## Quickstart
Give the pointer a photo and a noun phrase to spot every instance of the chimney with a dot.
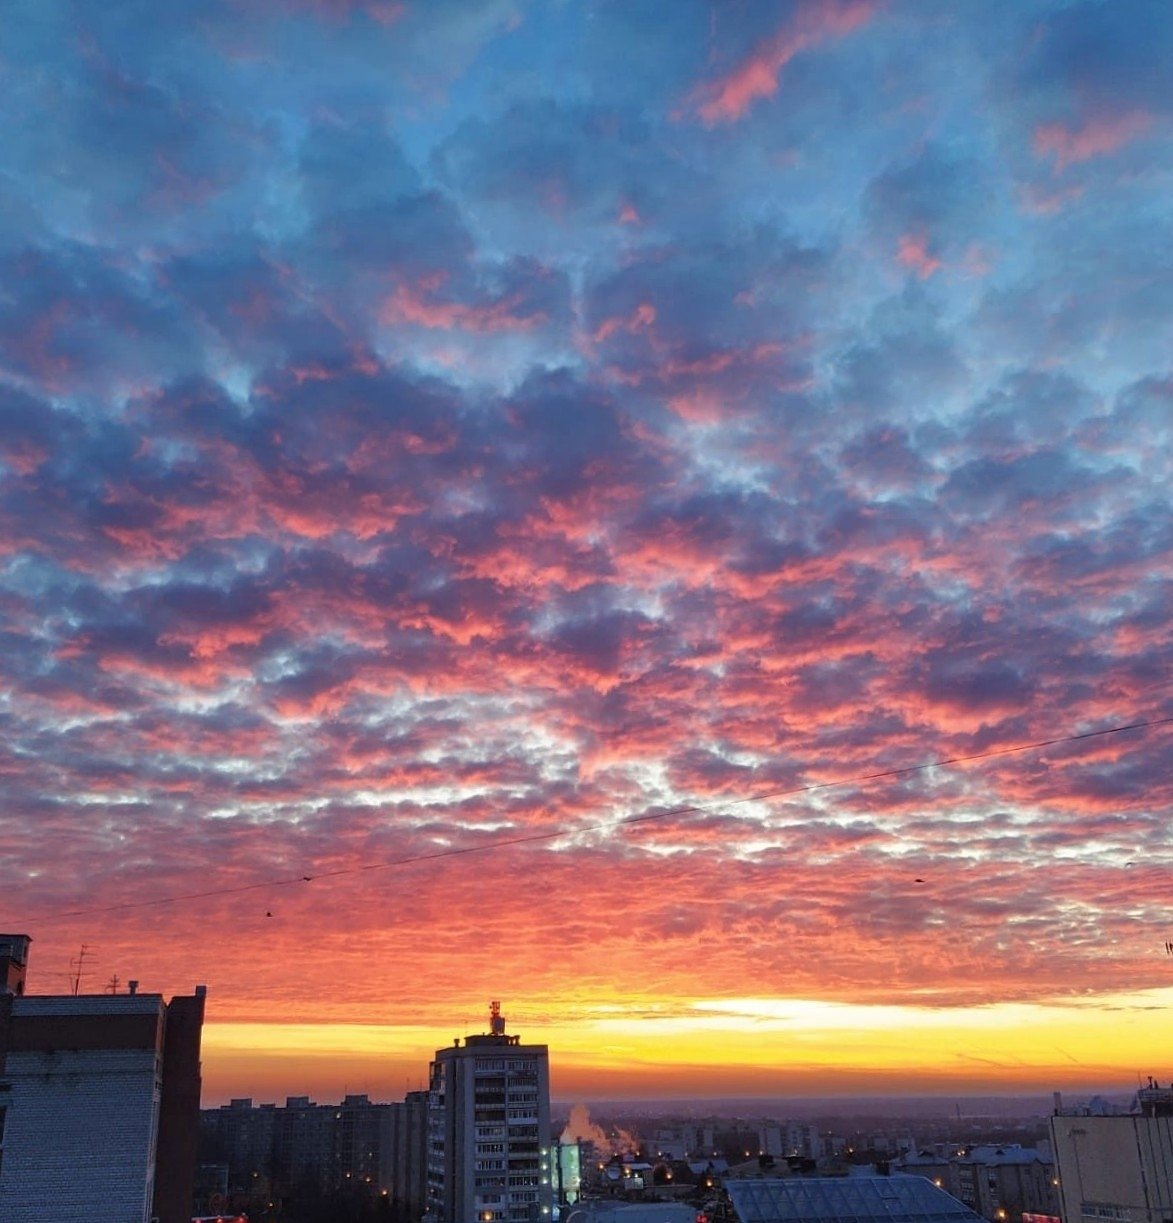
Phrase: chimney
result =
(14, 959)
(133, 987)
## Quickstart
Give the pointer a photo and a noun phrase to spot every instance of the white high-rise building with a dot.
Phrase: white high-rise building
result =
(489, 1130)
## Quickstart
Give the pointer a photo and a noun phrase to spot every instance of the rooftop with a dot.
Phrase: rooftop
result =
(74, 1005)
(858, 1199)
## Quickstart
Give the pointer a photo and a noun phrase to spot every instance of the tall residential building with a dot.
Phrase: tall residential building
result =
(1116, 1167)
(99, 1101)
(489, 1130)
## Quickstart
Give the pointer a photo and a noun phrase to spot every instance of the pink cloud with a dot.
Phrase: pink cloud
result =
(1097, 137)
(727, 98)
(913, 251)
(642, 317)
(720, 360)
(699, 407)
(1048, 203)
(413, 305)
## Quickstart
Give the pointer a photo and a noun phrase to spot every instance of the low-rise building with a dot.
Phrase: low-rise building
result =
(1005, 1182)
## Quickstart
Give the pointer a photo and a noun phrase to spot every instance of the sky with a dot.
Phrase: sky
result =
(435, 437)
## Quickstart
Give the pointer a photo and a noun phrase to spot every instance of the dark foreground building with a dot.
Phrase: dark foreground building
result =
(99, 1101)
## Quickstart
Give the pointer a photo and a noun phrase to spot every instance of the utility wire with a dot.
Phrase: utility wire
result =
(534, 838)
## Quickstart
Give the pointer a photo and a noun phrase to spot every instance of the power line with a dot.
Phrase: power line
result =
(534, 838)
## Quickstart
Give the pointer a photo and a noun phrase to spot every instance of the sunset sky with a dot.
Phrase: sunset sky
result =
(429, 425)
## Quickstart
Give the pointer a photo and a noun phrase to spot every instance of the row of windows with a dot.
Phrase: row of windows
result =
(1100, 1210)
(515, 1199)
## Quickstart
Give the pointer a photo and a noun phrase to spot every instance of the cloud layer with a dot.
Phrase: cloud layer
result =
(429, 425)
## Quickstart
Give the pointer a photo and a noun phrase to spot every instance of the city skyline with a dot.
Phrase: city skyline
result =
(510, 499)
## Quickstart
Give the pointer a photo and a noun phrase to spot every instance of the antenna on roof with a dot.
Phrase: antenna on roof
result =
(75, 967)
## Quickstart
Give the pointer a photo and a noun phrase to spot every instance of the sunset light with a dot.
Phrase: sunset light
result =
(659, 514)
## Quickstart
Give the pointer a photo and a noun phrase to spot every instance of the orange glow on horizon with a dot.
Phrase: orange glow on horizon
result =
(729, 1047)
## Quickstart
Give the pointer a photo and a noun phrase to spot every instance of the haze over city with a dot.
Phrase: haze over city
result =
(656, 514)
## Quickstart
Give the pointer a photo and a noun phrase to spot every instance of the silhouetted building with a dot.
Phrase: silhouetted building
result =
(14, 959)
(304, 1152)
(99, 1102)
(1116, 1167)
(790, 1138)
(489, 1130)
(409, 1153)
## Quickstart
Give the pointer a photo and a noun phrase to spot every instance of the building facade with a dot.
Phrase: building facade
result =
(1005, 1182)
(489, 1130)
(99, 1102)
(1117, 1167)
(409, 1153)
(304, 1152)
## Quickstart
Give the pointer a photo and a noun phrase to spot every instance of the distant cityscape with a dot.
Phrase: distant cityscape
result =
(100, 1119)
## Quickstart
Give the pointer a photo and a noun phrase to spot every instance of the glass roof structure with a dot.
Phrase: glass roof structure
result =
(850, 1199)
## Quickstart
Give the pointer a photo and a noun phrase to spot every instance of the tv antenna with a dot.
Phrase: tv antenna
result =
(75, 968)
